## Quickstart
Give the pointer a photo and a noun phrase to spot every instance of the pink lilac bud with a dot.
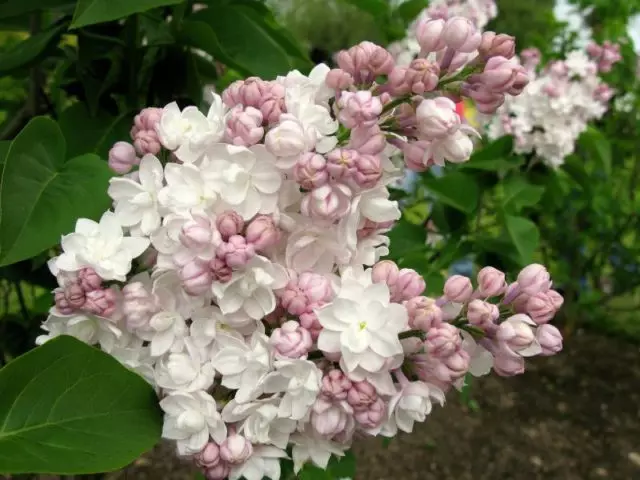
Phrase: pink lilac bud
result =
(102, 303)
(422, 76)
(287, 139)
(370, 228)
(359, 109)
(461, 34)
(144, 133)
(540, 307)
(500, 74)
(511, 293)
(310, 321)
(138, 305)
(534, 278)
(208, 457)
(220, 271)
(336, 385)
(530, 58)
(385, 271)
(235, 449)
(497, 45)
(229, 223)
(306, 292)
(483, 315)
(550, 339)
(411, 346)
(262, 233)
(516, 333)
(373, 415)
(556, 299)
(361, 395)
(409, 284)
(367, 141)
(244, 126)
(458, 289)
(486, 102)
(291, 340)
(75, 295)
(328, 419)
(507, 364)
(381, 61)
(62, 304)
(196, 277)
(491, 282)
(328, 202)
(429, 33)
(424, 314)
(365, 61)
(416, 155)
(437, 118)
(219, 472)
(266, 96)
(122, 157)
(311, 170)
(89, 279)
(236, 252)
(451, 368)
(367, 171)
(397, 84)
(197, 234)
(338, 79)
(603, 93)
(443, 341)
(341, 163)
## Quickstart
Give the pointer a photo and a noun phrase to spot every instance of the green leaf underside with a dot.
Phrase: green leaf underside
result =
(42, 194)
(27, 52)
(456, 189)
(68, 408)
(89, 12)
(525, 236)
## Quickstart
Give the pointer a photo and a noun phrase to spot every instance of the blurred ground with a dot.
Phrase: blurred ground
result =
(571, 417)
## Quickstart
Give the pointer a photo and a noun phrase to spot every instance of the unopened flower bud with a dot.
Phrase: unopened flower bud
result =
(458, 289)
(507, 364)
(443, 340)
(422, 76)
(236, 252)
(373, 415)
(461, 34)
(367, 140)
(437, 118)
(497, 45)
(385, 271)
(367, 171)
(209, 456)
(262, 233)
(291, 340)
(483, 314)
(122, 157)
(229, 223)
(341, 163)
(196, 277)
(75, 295)
(424, 314)
(534, 278)
(219, 472)
(361, 395)
(429, 33)
(516, 334)
(328, 202)
(196, 234)
(491, 282)
(102, 302)
(336, 385)
(235, 449)
(550, 339)
(311, 170)
(359, 109)
(338, 79)
(220, 271)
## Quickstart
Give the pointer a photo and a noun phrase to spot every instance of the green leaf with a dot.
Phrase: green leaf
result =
(495, 156)
(13, 8)
(574, 167)
(597, 147)
(89, 12)
(377, 8)
(244, 36)
(408, 10)
(406, 237)
(68, 408)
(519, 194)
(43, 194)
(338, 468)
(525, 236)
(98, 133)
(456, 189)
(29, 51)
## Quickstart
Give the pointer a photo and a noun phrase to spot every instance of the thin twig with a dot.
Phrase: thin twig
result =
(23, 303)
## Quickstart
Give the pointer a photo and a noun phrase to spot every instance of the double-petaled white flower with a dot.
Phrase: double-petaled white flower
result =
(412, 403)
(264, 462)
(310, 446)
(186, 371)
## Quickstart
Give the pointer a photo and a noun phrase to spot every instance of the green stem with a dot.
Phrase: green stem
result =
(22, 301)
(395, 103)
(411, 333)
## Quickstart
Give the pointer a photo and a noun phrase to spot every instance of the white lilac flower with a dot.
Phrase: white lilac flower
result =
(411, 404)
(89, 329)
(101, 246)
(190, 419)
(310, 446)
(263, 462)
(186, 371)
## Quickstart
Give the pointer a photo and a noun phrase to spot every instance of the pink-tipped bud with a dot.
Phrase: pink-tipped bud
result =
(530, 58)
(208, 457)
(102, 303)
(235, 449)
(338, 79)
(236, 252)
(516, 333)
(540, 307)
(550, 339)
(309, 320)
(291, 340)
(341, 163)
(229, 223)
(497, 45)
(453, 367)
(328, 202)
(443, 341)
(89, 279)
(75, 295)
(458, 289)
(416, 155)
(367, 141)
(556, 299)
(336, 385)
(62, 304)
(219, 472)
(422, 76)
(397, 82)
(534, 278)
(138, 305)
(144, 133)
(506, 364)
(381, 61)
(367, 171)
(328, 419)
(359, 109)
(197, 234)
(437, 118)
(373, 415)
(262, 233)
(491, 282)
(429, 33)
(122, 157)
(386, 271)
(408, 285)
(361, 395)
(244, 126)
(220, 271)
(483, 314)
(461, 34)
(311, 171)
(196, 277)
(424, 314)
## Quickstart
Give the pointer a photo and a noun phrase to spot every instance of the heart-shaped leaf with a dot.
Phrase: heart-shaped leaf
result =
(68, 408)
(42, 194)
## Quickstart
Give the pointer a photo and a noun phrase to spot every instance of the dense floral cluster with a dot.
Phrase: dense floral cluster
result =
(558, 104)
(239, 271)
(479, 12)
